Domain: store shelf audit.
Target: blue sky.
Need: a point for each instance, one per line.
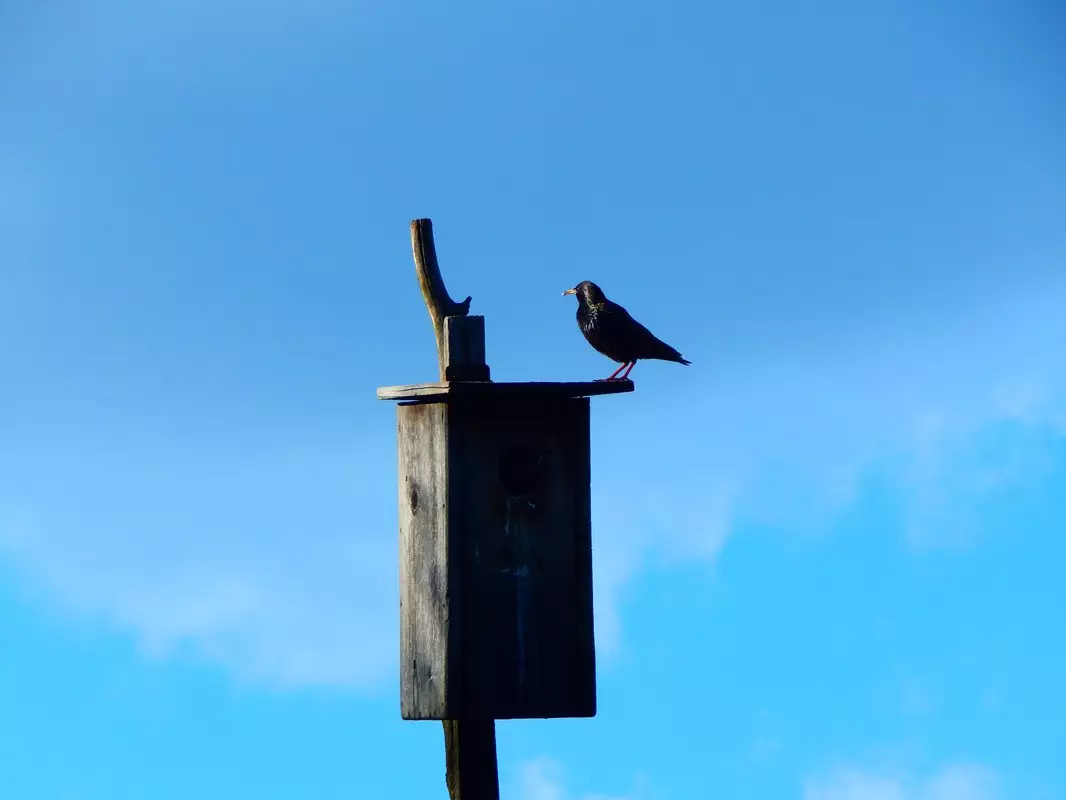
(827, 554)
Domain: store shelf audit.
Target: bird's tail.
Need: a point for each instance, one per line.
(664, 352)
(667, 353)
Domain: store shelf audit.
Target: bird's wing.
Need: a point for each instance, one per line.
(626, 329)
(622, 323)
(637, 338)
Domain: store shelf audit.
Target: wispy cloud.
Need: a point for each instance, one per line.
(633, 529)
(545, 779)
(960, 781)
(948, 419)
(281, 568)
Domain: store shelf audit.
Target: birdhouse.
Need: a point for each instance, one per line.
(496, 612)
(495, 548)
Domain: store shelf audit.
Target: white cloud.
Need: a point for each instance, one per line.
(631, 529)
(797, 437)
(280, 568)
(961, 781)
(948, 418)
(545, 779)
(541, 779)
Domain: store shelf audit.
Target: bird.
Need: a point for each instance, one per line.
(612, 331)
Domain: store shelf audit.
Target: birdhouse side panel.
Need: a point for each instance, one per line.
(429, 592)
(523, 508)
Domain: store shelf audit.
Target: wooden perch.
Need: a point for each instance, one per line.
(438, 302)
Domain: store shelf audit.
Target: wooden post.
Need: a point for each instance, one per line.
(470, 750)
(495, 542)
(470, 741)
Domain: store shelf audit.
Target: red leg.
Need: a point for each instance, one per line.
(625, 374)
(613, 374)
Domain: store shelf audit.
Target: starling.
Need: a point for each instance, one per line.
(609, 328)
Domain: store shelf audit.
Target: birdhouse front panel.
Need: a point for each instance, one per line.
(522, 495)
(496, 559)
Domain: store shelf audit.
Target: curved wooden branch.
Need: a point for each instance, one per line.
(438, 302)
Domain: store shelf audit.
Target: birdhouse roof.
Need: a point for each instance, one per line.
(501, 391)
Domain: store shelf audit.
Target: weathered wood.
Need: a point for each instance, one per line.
(464, 349)
(438, 302)
(502, 392)
(500, 562)
(430, 611)
(470, 750)
(436, 608)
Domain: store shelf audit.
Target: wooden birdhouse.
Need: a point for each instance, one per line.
(494, 498)
(495, 550)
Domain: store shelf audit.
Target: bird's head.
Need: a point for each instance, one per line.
(588, 293)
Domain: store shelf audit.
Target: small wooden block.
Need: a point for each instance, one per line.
(464, 349)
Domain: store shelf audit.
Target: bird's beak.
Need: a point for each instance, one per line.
(570, 291)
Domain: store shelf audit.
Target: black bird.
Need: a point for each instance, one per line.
(609, 328)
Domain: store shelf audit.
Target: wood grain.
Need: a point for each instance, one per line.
(430, 612)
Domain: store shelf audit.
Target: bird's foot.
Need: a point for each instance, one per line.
(614, 375)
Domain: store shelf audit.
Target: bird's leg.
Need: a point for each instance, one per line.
(613, 374)
(625, 374)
